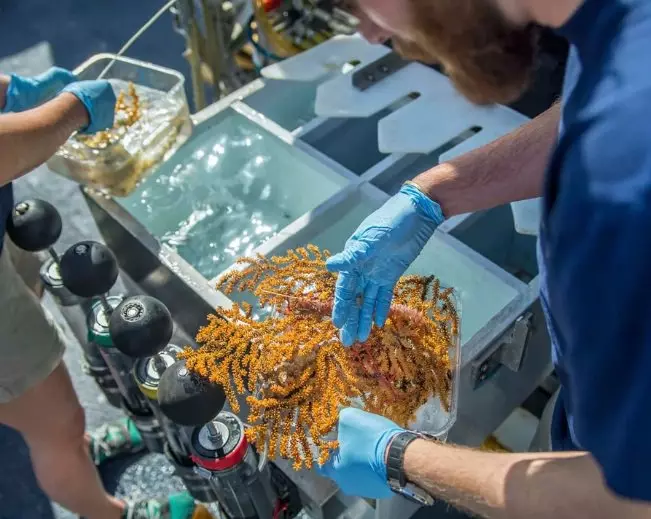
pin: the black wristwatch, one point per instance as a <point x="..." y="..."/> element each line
<point x="395" y="468"/>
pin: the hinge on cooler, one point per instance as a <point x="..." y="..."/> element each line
<point x="376" y="71"/>
<point x="515" y="342"/>
<point x="202" y="473"/>
<point x="507" y="351"/>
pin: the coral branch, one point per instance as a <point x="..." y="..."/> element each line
<point x="324" y="309"/>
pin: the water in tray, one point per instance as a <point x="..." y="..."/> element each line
<point x="225" y="193"/>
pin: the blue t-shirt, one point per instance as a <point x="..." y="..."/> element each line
<point x="595" y="244"/>
<point x="6" y="204"/>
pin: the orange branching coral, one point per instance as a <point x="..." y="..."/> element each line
<point x="295" y="373"/>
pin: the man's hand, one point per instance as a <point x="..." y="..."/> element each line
<point x="375" y="257"/>
<point x="99" y="100"/>
<point x="24" y="93"/>
<point x="359" y="467"/>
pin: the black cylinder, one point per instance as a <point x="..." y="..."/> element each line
<point x="34" y="225"/>
<point x="196" y="485"/>
<point x="150" y="430"/>
<point x="141" y="326"/>
<point x="186" y="398"/>
<point x="89" y="269"/>
<point x="95" y="366"/>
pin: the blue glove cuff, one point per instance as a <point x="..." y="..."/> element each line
<point x="428" y="206"/>
<point x="85" y="100"/>
<point x="19" y="88"/>
<point x="98" y="98"/>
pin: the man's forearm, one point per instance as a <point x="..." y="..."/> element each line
<point x="29" y="138"/>
<point x="509" y="169"/>
<point x="505" y="486"/>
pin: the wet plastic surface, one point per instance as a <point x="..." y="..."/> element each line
<point x="226" y="192"/>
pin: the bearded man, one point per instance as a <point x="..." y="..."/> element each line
<point x="589" y="157"/>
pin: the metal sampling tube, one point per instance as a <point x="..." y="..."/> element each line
<point x="51" y="278"/>
<point x="141" y="327"/>
<point x="225" y="458"/>
<point x="134" y="402"/>
<point x="147" y="373"/>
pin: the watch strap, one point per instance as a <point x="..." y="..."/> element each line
<point x="396" y="477"/>
<point x="395" y="457"/>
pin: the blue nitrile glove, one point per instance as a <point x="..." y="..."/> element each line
<point x="24" y="93"/>
<point x="375" y="257"/>
<point x="99" y="99"/>
<point x="359" y="466"/>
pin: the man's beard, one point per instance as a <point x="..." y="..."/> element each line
<point x="488" y="59"/>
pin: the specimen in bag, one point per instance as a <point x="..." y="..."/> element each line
<point x="127" y="113"/>
<point x="295" y="373"/>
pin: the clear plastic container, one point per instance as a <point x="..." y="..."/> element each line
<point x="432" y="417"/>
<point x="117" y="166"/>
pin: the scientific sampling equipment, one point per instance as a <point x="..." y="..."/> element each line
<point x="141" y="328"/>
<point x="219" y="448"/>
<point x="89" y="269"/>
<point x="35" y="225"/>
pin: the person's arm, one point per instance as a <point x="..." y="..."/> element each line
<point x="20" y="93"/>
<point x="490" y="485"/>
<point x="505" y="486"/>
<point x="509" y="169"/>
<point x="28" y="139"/>
<point x="389" y="240"/>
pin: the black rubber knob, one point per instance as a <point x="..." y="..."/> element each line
<point x="141" y="326"/>
<point x="34" y="225"/>
<point x="187" y="399"/>
<point x="89" y="269"/>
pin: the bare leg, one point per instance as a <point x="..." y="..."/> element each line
<point x="52" y="422"/>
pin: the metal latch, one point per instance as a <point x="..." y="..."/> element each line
<point x="508" y="351"/>
<point x="202" y="473"/>
<point x="370" y="74"/>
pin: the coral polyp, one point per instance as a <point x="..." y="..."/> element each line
<point x="294" y="372"/>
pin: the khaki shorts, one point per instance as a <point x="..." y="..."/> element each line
<point x="30" y="344"/>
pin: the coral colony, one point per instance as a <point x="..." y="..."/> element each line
<point x="292" y="368"/>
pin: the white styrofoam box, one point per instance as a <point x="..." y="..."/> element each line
<point x="482" y="288"/>
<point x="435" y="117"/>
<point x="229" y="189"/>
<point x="517" y="431"/>
<point x="328" y="58"/>
<point x="330" y="226"/>
<point x="527" y="214"/>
